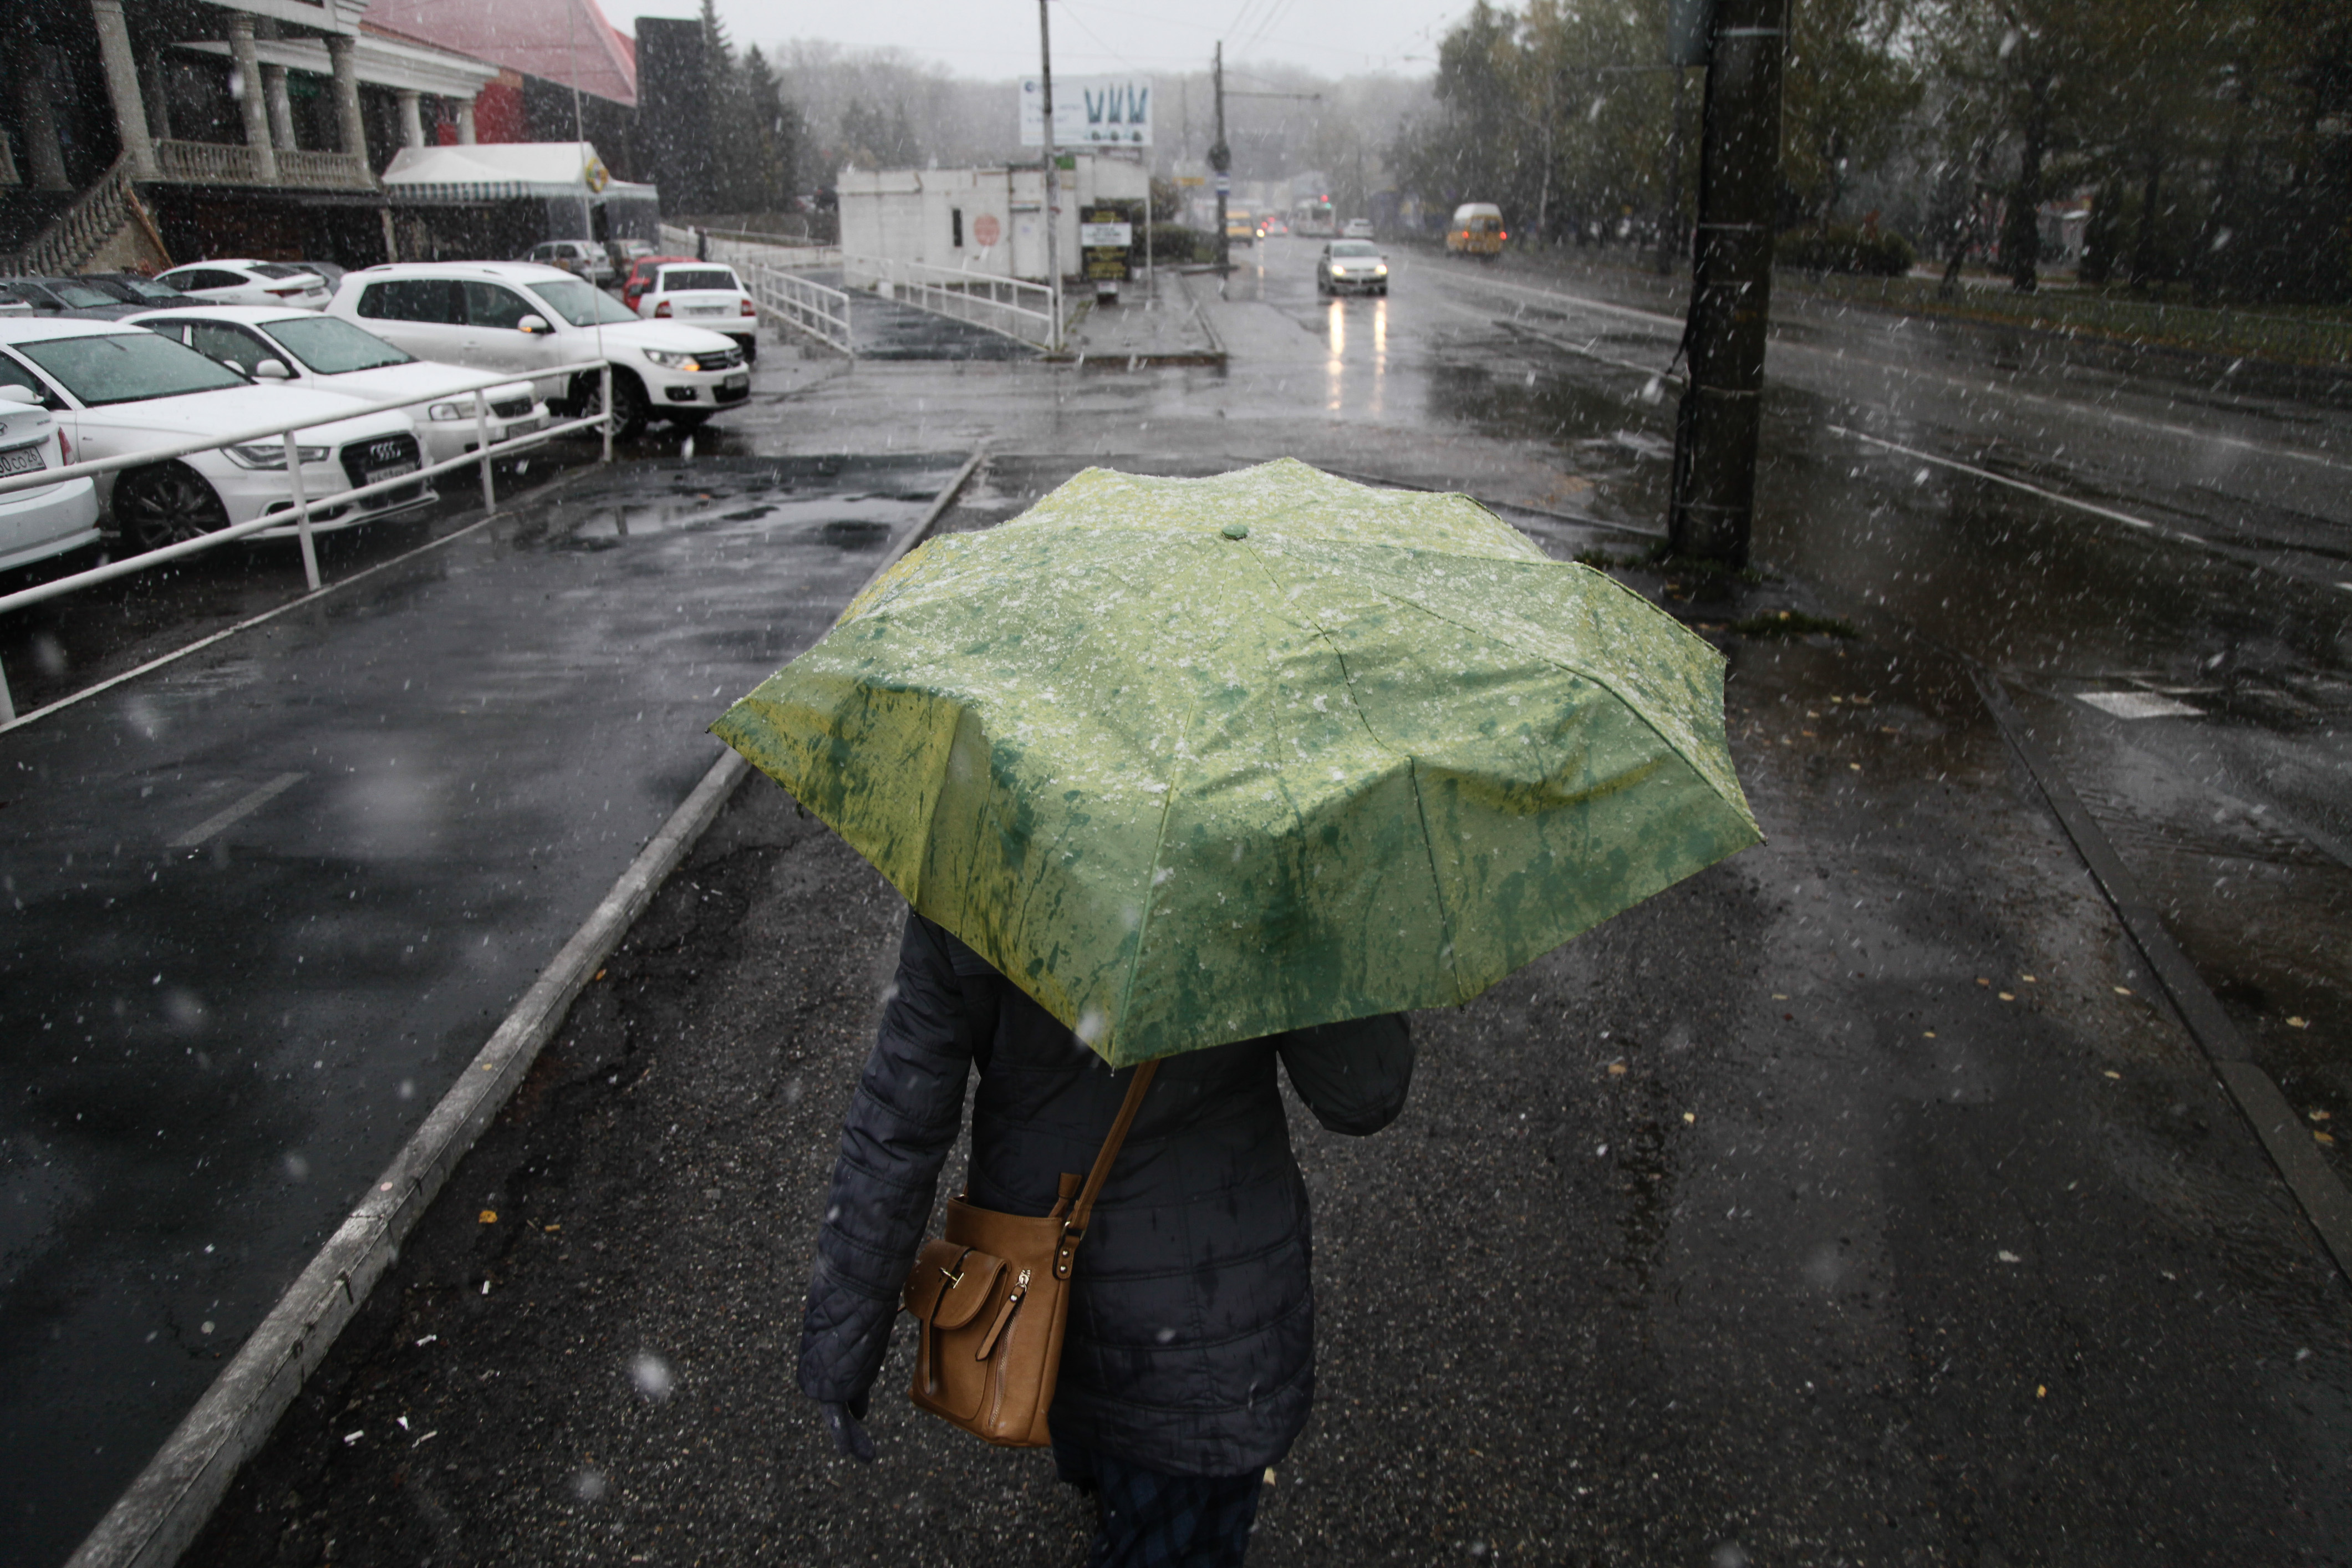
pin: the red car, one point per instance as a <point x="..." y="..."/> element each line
<point x="641" y="277"/>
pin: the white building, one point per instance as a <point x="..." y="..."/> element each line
<point x="985" y="221"/>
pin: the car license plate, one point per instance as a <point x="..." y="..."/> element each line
<point x="738" y="383"/>
<point x="392" y="471"/>
<point x="706" y="310"/>
<point x="23" y="460"/>
<point x="521" y="428"/>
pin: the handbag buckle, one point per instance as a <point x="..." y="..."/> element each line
<point x="953" y="1279"/>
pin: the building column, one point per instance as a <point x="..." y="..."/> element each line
<point x="465" y="137"/>
<point x="343" y="51"/>
<point x="41" y="147"/>
<point x="411" y="117"/>
<point x="281" y="107"/>
<point x="122" y="88"/>
<point x="250" y="100"/>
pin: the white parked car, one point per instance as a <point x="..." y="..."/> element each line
<point x="304" y="348"/>
<point x="48" y="520"/>
<point x="581" y="258"/>
<point x="707" y="293"/>
<point x="521" y="317"/>
<point x="1356" y="229"/>
<point x="118" y="390"/>
<point x="250" y="283"/>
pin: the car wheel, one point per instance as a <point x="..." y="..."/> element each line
<point x="630" y="408"/>
<point x="166" y="504"/>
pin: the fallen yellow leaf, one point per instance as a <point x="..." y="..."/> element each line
<point x="2115" y="1075"/>
<point x="2122" y="991"/>
<point x="2040" y="1391"/>
<point x="2327" y="1138"/>
<point x="2298" y="1022"/>
<point x="2009" y="997"/>
<point x="2027" y="978"/>
<point x="489" y="1216"/>
<point x="1692" y="1116"/>
<point x="1983" y="981"/>
<point x="1616" y="1069"/>
<point x="1929" y="1034"/>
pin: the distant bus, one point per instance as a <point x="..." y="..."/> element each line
<point x="1313" y="216"/>
<point x="1476" y="229"/>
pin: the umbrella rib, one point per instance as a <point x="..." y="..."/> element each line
<point x="1412" y="764"/>
<point x="1629" y="699"/>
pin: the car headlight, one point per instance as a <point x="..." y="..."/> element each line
<point x="673" y="362"/>
<point x="450" y="411"/>
<point x="1381" y="270"/>
<point x="272" y="454"/>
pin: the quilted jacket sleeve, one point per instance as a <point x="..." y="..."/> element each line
<point x="1353" y="1076"/>
<point x="901" y="1124"/>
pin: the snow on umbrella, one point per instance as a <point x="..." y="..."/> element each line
<point x="1193" y="761"/>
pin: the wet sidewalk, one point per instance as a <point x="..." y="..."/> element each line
<point x="1155" y="322"/>
<point x="1852" y="1202"/>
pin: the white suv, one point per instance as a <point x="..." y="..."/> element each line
<point x="117" y="390"/>
<point x="518" y="317"/>
<point x="705" y="294"/>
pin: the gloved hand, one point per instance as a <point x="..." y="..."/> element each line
<point x="848" y="1437"/>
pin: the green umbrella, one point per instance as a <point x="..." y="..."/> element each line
<point x="1193" y="760"/>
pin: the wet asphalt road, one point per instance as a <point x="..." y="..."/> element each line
<point x="266" y="902"/>
<point x="2228" y="811"/>
<point x="1834" y="1207"/>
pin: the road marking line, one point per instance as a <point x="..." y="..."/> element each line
<point x="2093" y="508"/>
<point x="232" y="816"/>
<point x="1784" y="345"/>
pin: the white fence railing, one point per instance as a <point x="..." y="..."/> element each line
<point x="1011" y="306"/>
<point x="800" y="302"/>
<point x="299" y="514"/>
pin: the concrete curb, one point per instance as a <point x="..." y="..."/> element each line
<point x="152" y="1522"/>
<point x="1201" y="316"/>
<point x="2281" y="1134"/>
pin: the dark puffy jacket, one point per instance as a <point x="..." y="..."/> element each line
<point x="1190" y="1347"/>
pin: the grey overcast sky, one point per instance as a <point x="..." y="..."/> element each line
<point x="998" y="38"/>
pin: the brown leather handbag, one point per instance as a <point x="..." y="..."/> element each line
<point x="993" y="1296"/>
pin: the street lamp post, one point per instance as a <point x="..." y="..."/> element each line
<point x="1221" y="160"/>
<point x="1053" y="180"/>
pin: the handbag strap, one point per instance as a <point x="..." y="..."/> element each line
<point x="1073" y="1230"/>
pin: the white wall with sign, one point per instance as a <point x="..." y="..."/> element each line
<point x="1089" y="112"/>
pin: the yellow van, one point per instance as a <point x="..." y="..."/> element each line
<point x="1241" y="226"/>
<point x="1476" y="229"/>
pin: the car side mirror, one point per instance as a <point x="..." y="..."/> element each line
<point x="16" y="392"/>
<point x="532" y="324"/>
<point x="272" y="370"/>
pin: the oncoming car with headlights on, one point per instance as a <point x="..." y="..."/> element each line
<point x="118" y="391"/>
<point x="528" y="320"/>
<point x="1352" y="264"/>
<point x="305" y="348"/>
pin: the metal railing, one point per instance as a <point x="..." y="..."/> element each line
<point x="802" y="303"/>
<point x="75" y="235"/>
<point x="1019" y="310"/>
<point x="299" y="514"/>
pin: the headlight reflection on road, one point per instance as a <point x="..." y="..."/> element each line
<point x="1338" y="316"/>
<point x="1379" y="351"/>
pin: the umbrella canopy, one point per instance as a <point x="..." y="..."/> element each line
<point x="1193" y="761"/>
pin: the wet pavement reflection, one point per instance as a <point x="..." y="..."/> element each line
<point x="264" y="903"/>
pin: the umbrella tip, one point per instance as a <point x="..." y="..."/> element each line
<point x="1236" y="530"/>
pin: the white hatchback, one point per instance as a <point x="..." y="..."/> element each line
<point x="48" y="519"/>
<point x="707" y="294"/>
<point x="526" y="319"/>
<point x="117" y="391"/>
<point x="250" y="283"/>
<point x="304" y="348"/>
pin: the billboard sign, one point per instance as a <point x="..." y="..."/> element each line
<point x="1089" y="112"/>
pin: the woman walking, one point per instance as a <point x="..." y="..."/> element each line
<point x="1188" y="1363"/>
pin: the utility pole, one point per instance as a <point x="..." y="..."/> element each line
<point x="1221" y="161"/>
<point x="1715" y="429"/>
<point x="1053" y="178"/>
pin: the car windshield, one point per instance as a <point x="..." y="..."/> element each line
<point x="126" y="367"/>
<point x="698" y="278"/>
<point x="81" y="295"/>
<point x="1355" y="247"/>
<point x="141" y="290"/>
<point x="279" y="269"/>
<point x="330" y="346"/>
<point x="582" y="305"/>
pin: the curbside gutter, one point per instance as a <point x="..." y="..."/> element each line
<point x="152" y="1522"/>
<point x="2323" y="1197"/>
